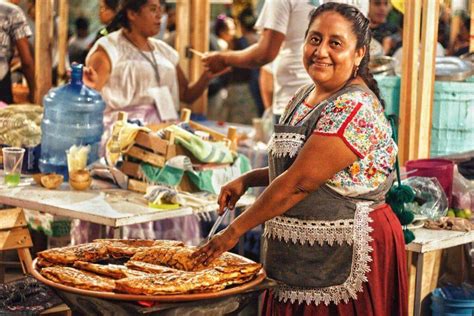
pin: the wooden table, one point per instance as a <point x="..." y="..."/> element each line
<point x="429" y="240"/>
<point x="106" y="206"/>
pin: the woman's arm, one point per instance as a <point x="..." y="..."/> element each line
<point x="98" y="69"/>
<point x="232" y="191"/>
<point x="27" y="63"/>
<point x="257" y="177"/>
<point x="265" y="82"/>
<point x="320" y="158"/>
<point x="257" y="55"/>
<point x="188" y="93"/>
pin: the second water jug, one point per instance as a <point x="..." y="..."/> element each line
<point x="73" y="115"/>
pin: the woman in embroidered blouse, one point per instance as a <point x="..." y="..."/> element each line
<point x="330" y="240"/>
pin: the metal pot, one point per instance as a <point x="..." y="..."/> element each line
<point x="452" y="69"/>
<point x="382" y="65"/>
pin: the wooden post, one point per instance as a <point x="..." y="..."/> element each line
<point x="185" y="115"/>
<point x="409" y="80"/>
<point x="183" y="39"/>
<point x="471" y="37"/>
<point x="43" y="37"/>
<point x="62" y="38"/>
<point x="233" y="137"/>
<point x="427" y="77"/>
<point x="199" y="28"/>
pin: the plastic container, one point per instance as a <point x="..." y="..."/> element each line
<point x="390" y="90"/>
<point x="452" y="129"/>
<point x="452" y="300"/>
<point x="30" y="159"/>
<point x="440" y="169"/>
<point x="73" y="115"/>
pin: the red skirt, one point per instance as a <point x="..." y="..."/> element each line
<point x="385" y="293"/>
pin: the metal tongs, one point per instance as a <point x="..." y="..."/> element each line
<point x="215" y="226"/>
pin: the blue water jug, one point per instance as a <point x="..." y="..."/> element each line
<point x="73" y="115"/>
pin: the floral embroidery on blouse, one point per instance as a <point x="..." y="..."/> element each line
<point x="358" y="119"/>
<point x="301" y="112"/>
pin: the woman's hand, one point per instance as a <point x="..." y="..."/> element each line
<point x="230" y="194"/>
<point x="211" y="75"/>
<point x="90" y="77"/>
<point x="214" y="61"/>
<point x="220" y="243"/>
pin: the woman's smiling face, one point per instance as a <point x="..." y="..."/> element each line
<point x="329" y="53"/>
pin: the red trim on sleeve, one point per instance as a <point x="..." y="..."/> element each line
<point x="349" y="118"/>
<point x="355" y="151"/>
<point x="340" y="132"/>
<point x="308" y="105"/>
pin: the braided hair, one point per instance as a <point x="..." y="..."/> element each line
<point x="360" y="27"/>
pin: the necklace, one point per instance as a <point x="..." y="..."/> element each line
<point x="153" y="62"/>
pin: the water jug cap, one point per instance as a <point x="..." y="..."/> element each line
<point x="76" y="73"/>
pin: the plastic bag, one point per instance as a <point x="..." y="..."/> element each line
<point x="430" y="199"/>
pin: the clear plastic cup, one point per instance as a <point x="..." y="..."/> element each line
<point x="12" y="163"/>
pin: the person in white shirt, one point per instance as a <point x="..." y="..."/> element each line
<point x="282" y="24"/>
<point x="281" y="40"/>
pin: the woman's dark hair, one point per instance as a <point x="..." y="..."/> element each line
<point x="221" y="25"/>
<point x="112" y="4"/>
<point x="360" y="27"/>
<point x="126" y="5"/>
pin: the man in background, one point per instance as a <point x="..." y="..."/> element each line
<point x="14" y="33"/>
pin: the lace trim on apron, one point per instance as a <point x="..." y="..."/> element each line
<point x="360" y="238"/>
<point x="309" y="231"/>
<point x="285" y="144"/>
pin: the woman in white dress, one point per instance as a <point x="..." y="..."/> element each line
<point x="140" y="75"/>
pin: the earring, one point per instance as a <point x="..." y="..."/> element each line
<point x="354" y="73"/>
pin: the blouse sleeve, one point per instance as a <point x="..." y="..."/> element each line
<point x="352" y="117"/>
<point x="108" y="44"/>
<point x="169" y="52"/>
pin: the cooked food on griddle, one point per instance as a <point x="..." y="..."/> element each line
<point x="149" y="267"/>
<point x="208" y="280"/>
<point x="161" y="267"/>
<point x="113" y="271"/>
<point x="125" y="248"/>
<point x="91" y="252"/>
<point x="78" y="279"/>
<point x="180" y="258"/>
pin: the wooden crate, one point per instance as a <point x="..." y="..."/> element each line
<point x="156" y="151"/>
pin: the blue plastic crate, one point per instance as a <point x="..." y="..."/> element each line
<point x="452" y="129"/>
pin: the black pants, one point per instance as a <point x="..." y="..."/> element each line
<point x="6" y="94"/>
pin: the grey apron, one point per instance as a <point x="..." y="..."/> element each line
<point x="318" y="250"/>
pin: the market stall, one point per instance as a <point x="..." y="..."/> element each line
<point x="171" y="170"/>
